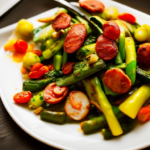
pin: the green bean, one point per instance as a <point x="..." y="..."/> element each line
<point x="55" y="117"/>
<point x="57" y="60"/>
<point x="57" y="45"/>
<point x="65" y="57"/>
<point x="130" y="59"/>
<point x="121" y="45"/>
<point x="118" y="59"/>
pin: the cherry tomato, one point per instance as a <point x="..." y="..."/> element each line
<point x="127" y="17"/>
<point x="37" y="52"/>
<point x="36" y="67"/>
<point x="50" y="67"/>
<point x="144" y="114"/>
<point x="67" y="67"/>
<point x="9" y="46"/>
<point x="21" y="46"/>
<point x="39" y="73"/>
<point x="22" y="97"/>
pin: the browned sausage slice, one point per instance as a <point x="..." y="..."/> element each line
<point x="106" y="49"/>
<point x="92" y="5"/>
<point x="143" y="55"/>
<point x="61" y="21"/>
<point x="111" y="30"/>
<point x="75" y="38"/>
<point x="117" y="81"/>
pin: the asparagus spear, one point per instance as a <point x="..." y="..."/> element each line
<point x="36" y="85"/>
<point x="81" y="71"/>
<point x="126" y="127"/>
<point x="106" y="108"/>
<point x="99" y="122"/>
<point x="53" y="73"/>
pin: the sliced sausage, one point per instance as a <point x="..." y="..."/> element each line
<point x="143" y="55"/>
<point x="77" y="105"/>
<point x="92" y="5"/>
<point x="106" y="49"/>
<point x="61" y="21"/>
<point x="117" y="81"/>
<point x="54" y="94"/>
<point x="75" y="38"/>
<point x="111" y="30"/>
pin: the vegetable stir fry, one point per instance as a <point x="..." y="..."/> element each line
<point x="98" y="79"/>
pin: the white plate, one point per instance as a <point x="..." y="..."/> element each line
<point x="6" y="5"/>
<point x="64" y="136"/>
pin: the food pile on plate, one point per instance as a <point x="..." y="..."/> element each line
<point x="92" y="71"/>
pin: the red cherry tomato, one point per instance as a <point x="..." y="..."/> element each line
<point x="127" y="17"/>
<point x="22" y="97"/>
<point x="111" y="30"/>
<point x="144" y="114"/>
<point x="50" y="67"/>
<point x="36" y="67"/>
<point x="67" y="67"/>
<point x="37" y="52"/>
<point x="39" y="73"/>
<point x="21" y="46"/>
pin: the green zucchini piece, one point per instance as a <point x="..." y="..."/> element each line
<point x="97" y="20"/>
<point x="143" y="75"/>
<point x="99" y="31"/>
<point x="85" y="51"/>
<point x="73" y="20"/>
<point x="43" y="34"/>
<point x="88" y="28"/>
<point x="90" y="40"/>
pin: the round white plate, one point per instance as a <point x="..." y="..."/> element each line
<point x="67" y="136"/>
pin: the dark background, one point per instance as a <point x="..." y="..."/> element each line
<point x="11" y="135"/>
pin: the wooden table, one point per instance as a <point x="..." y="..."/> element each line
<point x="12" y="137"/>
